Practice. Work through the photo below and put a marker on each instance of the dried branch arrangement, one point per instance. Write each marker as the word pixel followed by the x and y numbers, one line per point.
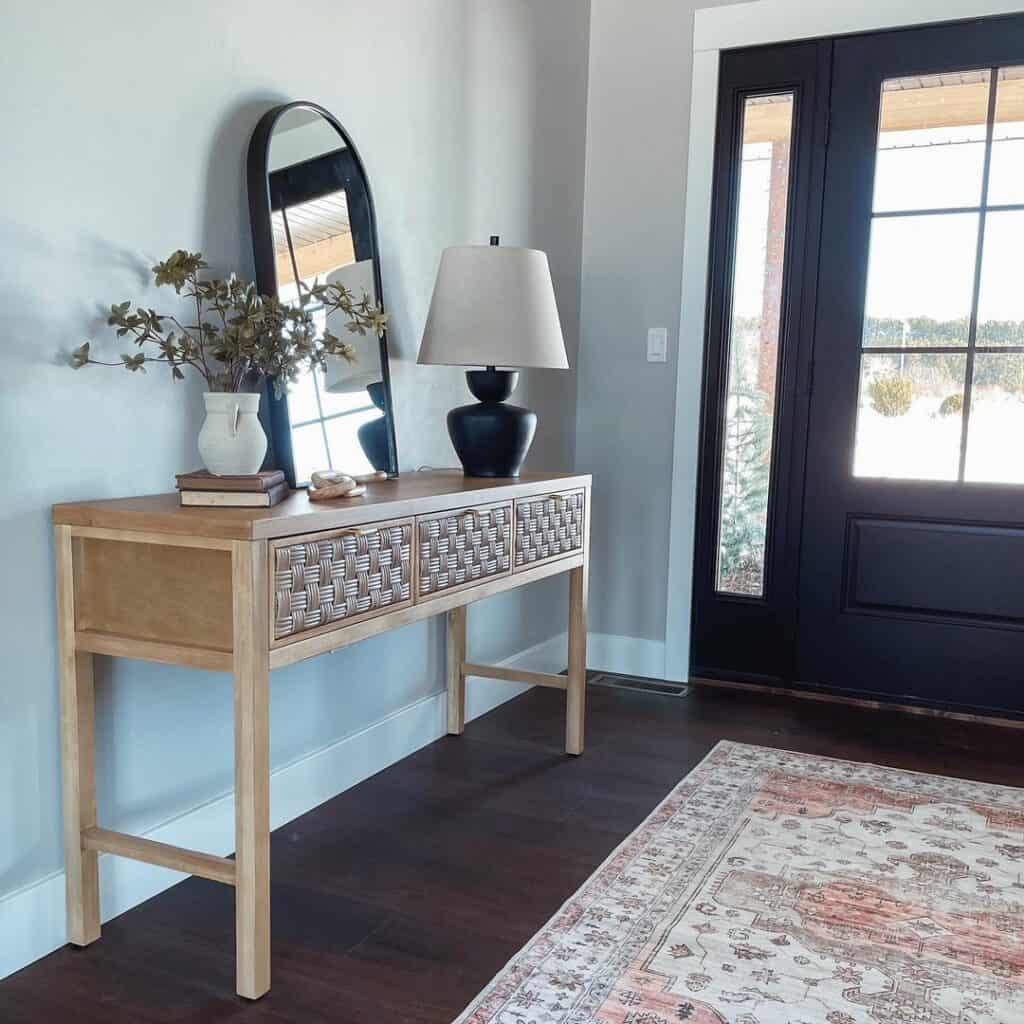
pixel 239 336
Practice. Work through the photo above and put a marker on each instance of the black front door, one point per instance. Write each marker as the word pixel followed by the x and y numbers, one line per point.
pixel 912 558
pixel 861 506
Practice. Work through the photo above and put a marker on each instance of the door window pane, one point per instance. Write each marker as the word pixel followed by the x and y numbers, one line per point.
pixel 302 399
pixel 339 401
pixel 918 416
pixel 920 280
pixel 1001 300
pixel 342 434
pixel 931 141
pixel 760 245
pixel 308 451
pixel 995 453
pixel 909 416
pixel 1006 176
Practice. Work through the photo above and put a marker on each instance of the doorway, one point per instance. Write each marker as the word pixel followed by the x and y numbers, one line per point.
pixel 861 500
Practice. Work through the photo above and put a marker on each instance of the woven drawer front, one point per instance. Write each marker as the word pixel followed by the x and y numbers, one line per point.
pixel 548 527
pixel 463 547
pixel 337 577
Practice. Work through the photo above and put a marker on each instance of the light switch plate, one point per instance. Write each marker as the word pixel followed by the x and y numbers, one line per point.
pixel 657 344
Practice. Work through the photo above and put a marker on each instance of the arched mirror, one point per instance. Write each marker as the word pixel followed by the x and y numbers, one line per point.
pixel 313 222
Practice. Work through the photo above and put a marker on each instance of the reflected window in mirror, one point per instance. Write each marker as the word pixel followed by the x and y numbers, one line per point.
pixel 319 228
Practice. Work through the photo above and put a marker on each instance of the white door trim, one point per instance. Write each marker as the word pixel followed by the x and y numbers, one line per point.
pixel 716 29
pixel 778 21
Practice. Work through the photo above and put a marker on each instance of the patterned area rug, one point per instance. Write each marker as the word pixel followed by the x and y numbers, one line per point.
pixel 779 888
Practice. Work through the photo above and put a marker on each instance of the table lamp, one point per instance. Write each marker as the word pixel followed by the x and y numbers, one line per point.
pixel 493 306
pixel 364 373
pixel 342 376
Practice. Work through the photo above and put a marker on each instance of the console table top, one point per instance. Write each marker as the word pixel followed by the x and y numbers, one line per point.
pixel 413 493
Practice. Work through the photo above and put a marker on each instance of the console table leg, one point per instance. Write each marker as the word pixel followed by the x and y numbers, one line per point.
pixel 252 769
pixel 78 757
pixel 456 655
pixel 575 694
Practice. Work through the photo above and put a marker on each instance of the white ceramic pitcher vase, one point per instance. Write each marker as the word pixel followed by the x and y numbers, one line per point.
pixel 232 441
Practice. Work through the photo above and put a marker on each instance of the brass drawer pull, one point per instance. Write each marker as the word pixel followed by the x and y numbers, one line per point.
pixel 355 531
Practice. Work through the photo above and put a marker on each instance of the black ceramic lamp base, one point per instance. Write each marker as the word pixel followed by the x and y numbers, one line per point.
pixel 373 436
pixel 490 437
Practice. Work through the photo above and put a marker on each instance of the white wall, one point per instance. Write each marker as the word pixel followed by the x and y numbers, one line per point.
pixel 125 128
pixel 637 127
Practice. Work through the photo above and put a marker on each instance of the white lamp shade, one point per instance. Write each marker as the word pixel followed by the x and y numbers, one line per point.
pixel 493 306
pixel 341 376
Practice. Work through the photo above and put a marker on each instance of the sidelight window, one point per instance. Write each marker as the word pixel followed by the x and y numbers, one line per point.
pixel 753 349
pixel 942 363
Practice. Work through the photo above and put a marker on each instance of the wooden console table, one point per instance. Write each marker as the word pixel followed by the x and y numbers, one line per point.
pixel 248 590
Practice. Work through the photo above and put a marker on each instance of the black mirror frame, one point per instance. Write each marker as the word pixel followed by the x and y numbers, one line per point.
pixel 278 423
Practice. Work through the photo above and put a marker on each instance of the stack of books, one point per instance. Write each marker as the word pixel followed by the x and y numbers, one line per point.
pixel 253 490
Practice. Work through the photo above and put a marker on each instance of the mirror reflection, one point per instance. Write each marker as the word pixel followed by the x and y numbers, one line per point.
pixel 321 223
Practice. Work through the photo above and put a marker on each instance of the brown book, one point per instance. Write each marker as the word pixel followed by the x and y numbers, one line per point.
pixel 201 480
pixel 235 499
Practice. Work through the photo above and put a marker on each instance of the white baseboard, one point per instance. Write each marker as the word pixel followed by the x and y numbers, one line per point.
pixel 626 655
pixel 32 918
pixel 623 655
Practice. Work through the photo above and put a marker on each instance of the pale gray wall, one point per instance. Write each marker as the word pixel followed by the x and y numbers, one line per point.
pixel 637 135
pixel 124 133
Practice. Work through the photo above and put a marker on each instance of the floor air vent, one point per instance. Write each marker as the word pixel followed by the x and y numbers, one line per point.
pixel 660 686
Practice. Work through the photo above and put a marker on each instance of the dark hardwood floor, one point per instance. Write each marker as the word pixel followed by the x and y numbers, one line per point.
pixel 400 899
